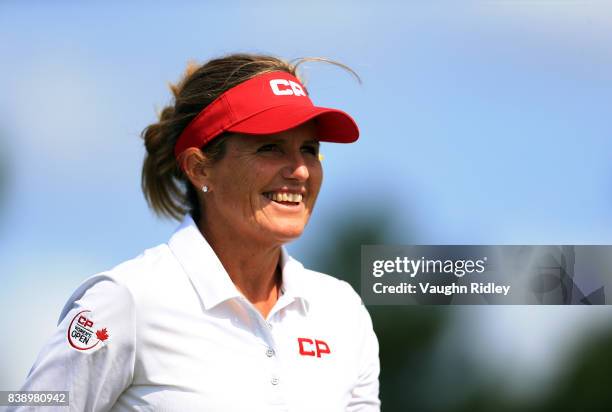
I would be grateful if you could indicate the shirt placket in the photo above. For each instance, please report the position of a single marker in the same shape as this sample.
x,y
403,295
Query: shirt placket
x,y
263,329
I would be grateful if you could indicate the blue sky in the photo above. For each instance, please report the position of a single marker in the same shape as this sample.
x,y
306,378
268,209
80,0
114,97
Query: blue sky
x,y
482,122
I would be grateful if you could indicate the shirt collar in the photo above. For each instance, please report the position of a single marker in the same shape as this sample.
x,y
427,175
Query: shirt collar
x,y
295,284
209,277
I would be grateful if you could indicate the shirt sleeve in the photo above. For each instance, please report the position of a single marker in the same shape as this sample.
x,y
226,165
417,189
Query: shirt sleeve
x,y
92,352
365,396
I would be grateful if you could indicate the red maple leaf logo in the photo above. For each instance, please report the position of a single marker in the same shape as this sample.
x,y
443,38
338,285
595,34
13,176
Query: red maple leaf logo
x,y
101,334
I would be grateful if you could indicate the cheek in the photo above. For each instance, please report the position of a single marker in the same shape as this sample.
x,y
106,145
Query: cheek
x,y
315,181
320,175
235,187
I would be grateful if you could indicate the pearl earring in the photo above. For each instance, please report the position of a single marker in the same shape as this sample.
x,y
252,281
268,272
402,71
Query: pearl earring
x,y
204,188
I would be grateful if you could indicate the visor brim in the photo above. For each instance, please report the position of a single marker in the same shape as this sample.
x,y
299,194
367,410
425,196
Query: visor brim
x,y
332,125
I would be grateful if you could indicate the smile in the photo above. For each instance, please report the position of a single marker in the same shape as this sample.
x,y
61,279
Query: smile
x,y
284,197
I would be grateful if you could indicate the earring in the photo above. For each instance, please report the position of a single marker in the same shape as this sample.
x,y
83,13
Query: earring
x,y
204,188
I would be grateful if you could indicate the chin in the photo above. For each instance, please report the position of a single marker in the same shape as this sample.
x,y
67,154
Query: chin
x,y
287,233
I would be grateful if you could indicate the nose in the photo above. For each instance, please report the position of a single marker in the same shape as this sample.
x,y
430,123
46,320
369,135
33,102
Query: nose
x,y
296,169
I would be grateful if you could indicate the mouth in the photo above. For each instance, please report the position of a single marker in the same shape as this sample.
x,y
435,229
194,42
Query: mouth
x,y
284,198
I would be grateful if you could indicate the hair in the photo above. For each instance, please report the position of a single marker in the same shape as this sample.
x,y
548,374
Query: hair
x,y
165,186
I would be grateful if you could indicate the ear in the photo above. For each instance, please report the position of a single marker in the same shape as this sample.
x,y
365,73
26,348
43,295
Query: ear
x,y
193,162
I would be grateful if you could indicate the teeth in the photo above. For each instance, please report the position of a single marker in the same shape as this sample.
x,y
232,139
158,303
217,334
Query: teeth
x,y
284,197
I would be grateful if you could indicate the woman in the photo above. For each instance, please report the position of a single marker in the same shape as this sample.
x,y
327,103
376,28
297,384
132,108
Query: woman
x,y
220,317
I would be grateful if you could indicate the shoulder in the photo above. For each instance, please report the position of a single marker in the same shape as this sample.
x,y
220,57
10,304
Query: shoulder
x,y
318,286
327,290
125,284
331,284
147,267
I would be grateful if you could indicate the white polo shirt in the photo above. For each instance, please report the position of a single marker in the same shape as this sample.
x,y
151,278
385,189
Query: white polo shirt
x,y
169,331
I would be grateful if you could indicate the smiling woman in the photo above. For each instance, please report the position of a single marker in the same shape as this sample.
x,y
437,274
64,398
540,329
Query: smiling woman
x,y
265,187
221,317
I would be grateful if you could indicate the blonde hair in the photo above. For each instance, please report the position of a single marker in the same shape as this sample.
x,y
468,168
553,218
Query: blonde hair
x,y
166,188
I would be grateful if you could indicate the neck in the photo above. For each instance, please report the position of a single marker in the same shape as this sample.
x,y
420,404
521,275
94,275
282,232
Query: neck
x,y
253,268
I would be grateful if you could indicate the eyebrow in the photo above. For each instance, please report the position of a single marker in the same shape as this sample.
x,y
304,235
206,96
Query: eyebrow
x,y
281,140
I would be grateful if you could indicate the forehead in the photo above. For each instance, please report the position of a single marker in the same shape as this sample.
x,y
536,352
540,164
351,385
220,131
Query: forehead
x,y
305,133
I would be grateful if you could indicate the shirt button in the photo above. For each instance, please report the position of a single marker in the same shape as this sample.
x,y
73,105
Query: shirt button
x,y
274,380
270,352
269,325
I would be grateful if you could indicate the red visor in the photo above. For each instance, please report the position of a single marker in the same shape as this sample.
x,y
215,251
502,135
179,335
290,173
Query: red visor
x,y
266,104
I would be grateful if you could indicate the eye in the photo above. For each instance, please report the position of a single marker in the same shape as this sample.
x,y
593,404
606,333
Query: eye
x,y
271,147
311,149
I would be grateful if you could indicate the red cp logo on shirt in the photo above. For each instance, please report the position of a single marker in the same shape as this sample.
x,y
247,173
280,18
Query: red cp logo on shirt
x,y
308,347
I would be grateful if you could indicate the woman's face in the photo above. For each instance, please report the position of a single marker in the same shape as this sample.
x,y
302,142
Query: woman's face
x,y
264,188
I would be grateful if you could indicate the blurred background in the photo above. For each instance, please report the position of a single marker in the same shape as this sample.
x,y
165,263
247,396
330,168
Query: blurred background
x,y
482,122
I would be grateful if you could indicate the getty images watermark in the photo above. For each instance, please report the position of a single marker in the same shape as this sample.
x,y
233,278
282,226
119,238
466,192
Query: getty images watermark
x,y
472,275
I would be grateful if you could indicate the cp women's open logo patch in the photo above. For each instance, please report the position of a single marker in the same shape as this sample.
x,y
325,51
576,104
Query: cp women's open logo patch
x,y
83,334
